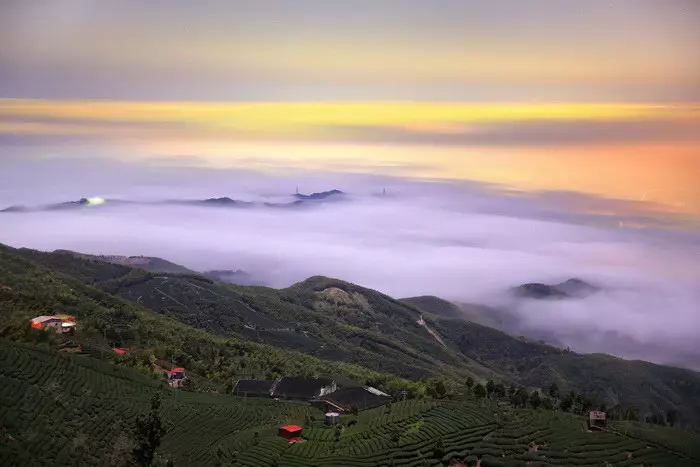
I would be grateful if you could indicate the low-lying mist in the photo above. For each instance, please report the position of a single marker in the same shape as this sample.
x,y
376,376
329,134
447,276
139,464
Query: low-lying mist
x,y
463,242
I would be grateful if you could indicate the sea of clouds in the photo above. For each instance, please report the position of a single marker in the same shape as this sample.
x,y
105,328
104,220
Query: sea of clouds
x,y
465,242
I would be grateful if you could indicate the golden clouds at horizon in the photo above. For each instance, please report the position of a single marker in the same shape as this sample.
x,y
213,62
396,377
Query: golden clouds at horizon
x,y
310,136
335,113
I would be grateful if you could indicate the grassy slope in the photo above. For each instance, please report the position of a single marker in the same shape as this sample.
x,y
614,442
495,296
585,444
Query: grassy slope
x,y
335,320
61,409
380,334
434,305
105,319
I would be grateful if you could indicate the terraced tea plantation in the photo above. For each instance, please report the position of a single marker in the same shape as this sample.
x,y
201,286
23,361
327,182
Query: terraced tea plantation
x,y
424,433
60,409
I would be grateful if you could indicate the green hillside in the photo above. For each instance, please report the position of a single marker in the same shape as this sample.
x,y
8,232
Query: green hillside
x,y
434,305
148,263
32,289
61,409
479,314
319,326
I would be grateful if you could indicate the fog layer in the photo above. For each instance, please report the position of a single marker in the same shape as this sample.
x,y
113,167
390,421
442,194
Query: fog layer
x,y
463,242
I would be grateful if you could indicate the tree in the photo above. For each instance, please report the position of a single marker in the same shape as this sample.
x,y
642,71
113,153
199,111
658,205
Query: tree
x,y
500,390
149,432
437,388
470,383
535,400
566,404
586,404
490,386
554,391
656,419
671,417
479,391
520,397
547,403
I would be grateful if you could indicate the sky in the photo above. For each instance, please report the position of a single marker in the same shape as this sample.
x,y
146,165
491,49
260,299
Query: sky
x,y
520,140
598,97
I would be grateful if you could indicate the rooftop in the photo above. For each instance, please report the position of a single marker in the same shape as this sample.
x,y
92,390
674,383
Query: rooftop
x,y
359,397
254,386
291,428
300,387
44,318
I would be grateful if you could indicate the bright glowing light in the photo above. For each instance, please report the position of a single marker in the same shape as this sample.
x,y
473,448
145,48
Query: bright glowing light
x,y
95,201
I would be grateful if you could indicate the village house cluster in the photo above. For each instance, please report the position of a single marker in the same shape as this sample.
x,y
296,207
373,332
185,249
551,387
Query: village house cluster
x,y
322,393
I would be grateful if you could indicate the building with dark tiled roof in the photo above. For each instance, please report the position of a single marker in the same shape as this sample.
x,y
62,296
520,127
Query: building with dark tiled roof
x,y
254,387
346,399
295,387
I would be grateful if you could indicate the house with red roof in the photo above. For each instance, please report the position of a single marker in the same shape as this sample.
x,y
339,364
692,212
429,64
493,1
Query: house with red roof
x,y
291,433
176,377
59,323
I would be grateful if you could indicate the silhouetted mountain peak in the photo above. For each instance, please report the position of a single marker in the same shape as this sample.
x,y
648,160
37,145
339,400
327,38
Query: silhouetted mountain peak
x,y
224,200
237,276
571,288
320,195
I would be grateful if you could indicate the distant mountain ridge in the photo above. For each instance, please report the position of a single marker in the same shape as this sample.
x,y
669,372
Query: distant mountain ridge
x,y
95,202
147,263
572,288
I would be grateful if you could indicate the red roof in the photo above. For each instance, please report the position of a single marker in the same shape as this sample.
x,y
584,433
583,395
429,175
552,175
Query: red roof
x,y
291,428
177,370
119,351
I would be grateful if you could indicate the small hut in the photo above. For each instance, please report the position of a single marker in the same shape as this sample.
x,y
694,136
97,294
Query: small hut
x,y
291,433
596,419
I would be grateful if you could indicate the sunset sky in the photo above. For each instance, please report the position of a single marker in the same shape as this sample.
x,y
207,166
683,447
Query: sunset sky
x,y
600,97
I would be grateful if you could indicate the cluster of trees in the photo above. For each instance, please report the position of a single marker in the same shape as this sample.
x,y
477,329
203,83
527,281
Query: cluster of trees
x,y
519,396
670,418
554,399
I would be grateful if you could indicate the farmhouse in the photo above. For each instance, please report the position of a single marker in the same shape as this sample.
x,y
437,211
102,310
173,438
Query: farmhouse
x,y
59,323
292,433
295,387
596,419
176,377
254,388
